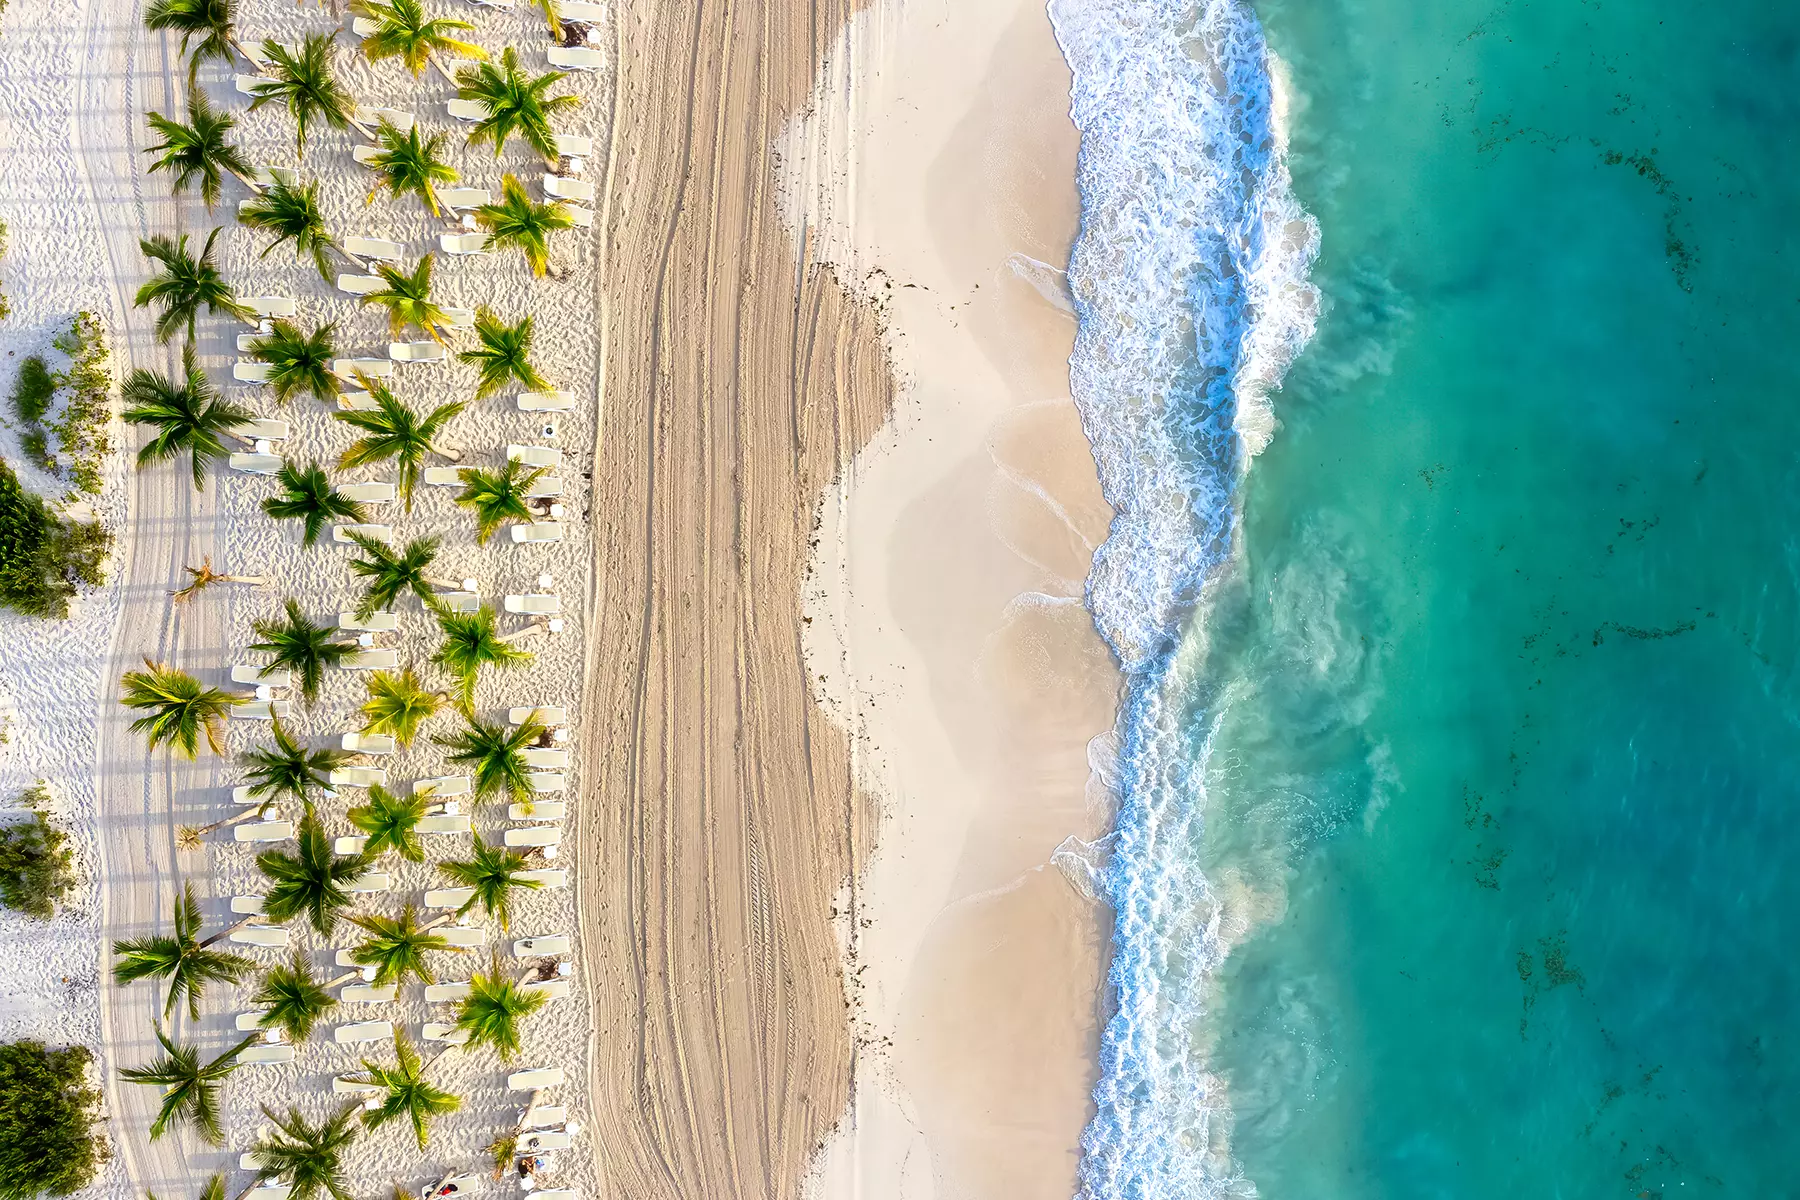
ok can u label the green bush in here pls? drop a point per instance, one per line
(81, 431)
(32, 391)
(43, 558)
(47, 1143)
(34, 443)
(36, 866)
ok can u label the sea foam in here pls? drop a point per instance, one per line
(1189, 280)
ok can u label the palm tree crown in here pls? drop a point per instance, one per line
(501, 357)
(491, 1012)
(298, 362)
(312, 880)
(301, 646)
(407, 299)
(498, 496)
(392, 430)
(190, 1087)
(398, 705)
(469, 644)
(494, 872)
(291, 212)
(396, 947)
(178, 709)
(307, 496)
(213, 22)
(184, 285)
(391, 823)
(187, 962)
(496, 754)
(310, 1158)
(403, 31)
(287, 768)
(305, 81)
(409, 1095)
(411, 164)
(190, 416)
(391, 571)
(516, 103)
(292, 1000)
(519, 221)
(197, 149)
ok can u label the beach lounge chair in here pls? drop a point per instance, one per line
(240, 795)
(375, 114)
(443, 786)
(534, 603)
(545, 487)
(463, 243)
(581, 12)
(272, 1191)
(446, 993)
(358, 777)
(454, 823)
(545, 781)
(262, 710)
(256, 464)
(576, 58)
(460, 602)
(544, 1139)
(442, 476)
(250, 1160)
(550, 715)
(343, 534)
(279, 677)
(417, 352)
(542, 531)
(380, 621)
(579, 217)
(263, 831)
(350, 843)
(536, 810)
(554, 1194)
(361, 285)
(457, 199)
(546, 877)
(546, 1116)
(247, 906)
(459, 318)
(561, 187)
(269, 1056)
(246, 342)
(270, 176)
(467, 110)
(448, 897)
(344, 1086)
(573, 145)
(546, 401)
(272, 306)
(367, 743)
(266, 428)
(469, 937)
(363, 1031)
(246, 84)
(347, 958)
(366, 155)
(377, 248)
(369, 493)
(373, 368)
(534, 456)
(381, 658)
(369, 993)
(357, 401)
(251, 372)
(549, 759)
(271, 937)
(440, 1031)
(502, 5)
(369, 882)
(534, 947)
(362, 27)
(533, 835)
(535, 1080)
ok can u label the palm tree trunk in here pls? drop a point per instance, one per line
(436, 921)
(345, 978)
(446, 455)
(445, 585)
(521, 634)
(432, 58)
(228, 930)
(248, 182)
(349, 257)
(255, 810)
(243, 53)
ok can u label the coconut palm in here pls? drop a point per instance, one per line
(298, 362)
(494, 873)
(410, 164)
(301, 646)
(407, 299)
(496, 756)
(391, 572)
(190, 1087)
(470, 644)
(193, 837)
(491, 1012)
(501, 357)
(516, 103)
(519, 221)
(308, 1158)
(498, 496)
(398, 705)
(213, 22)
(307, 496)
(292, 1000)
(393, 431)
(190, 417)
(391, 823)
(291, 212)
(552, 17)
(403, 31)
(203, 577)
(409, 1095)
(305, 82)
(311, 880)
(187, 962)
(396, 947)
(198, 150)
(185, 284)
(286, 768)
(178, 709)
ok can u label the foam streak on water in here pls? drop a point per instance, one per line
(1189, 280)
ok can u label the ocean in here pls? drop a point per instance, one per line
(1435, 358)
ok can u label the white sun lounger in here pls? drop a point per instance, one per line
(454, 823)
(241, 795)
(542, 531)
(440, 1031)
(446, 993)
(503, 5)
(374, 114)
(369, 493)
(379, 659)
(576, 58)
(247, 906)
(358, 777)
(350, 843)
(534, 456)
(537, 810)
(531, 947)
(256, 464)
(251, 372)
(548, 715)
(459, 318)
(417, 352)
(373, 368)
(344, 1086)
(579, 217)
(246, 84)
(366, 155)
(531, 1081)
(469, 937)
(342, 534)
(246, 342)
(273, 1191)
(561, 187)
(555, 1194)
(573, 145)
(347, 958)
(368, 743)
(264, 677)
(465, 197)
(370, 882)
(263, 831)
(378, 248)
(362, 27)
(272, 937)
(380, 621)
(363, 1031)
(442, 476)
(262, 710)
(268, 1056)
(272, 306)
(467, 110)
(532, 1143)
(533, 835)
(368, 993)
(581, 12)
(463, 243)
(361, 285)
(250, 1160)
(444, 785)
(545, 487)
(545, 781)
(550, 878)
(270, 176)
(357, 401)
(545, 1116)
(549, 759)
(448, 897)
(536, 603)
(263, 427)
(546, 401)
(460, 602)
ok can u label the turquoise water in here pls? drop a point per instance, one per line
(1501, 678)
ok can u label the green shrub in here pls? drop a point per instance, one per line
(33, 390)
(36, 867)
(43, 558)
(34, 443)
(47, 1142)
(81, 431)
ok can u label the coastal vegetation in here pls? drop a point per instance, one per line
(45, 558)
(37, 868)
(48, 1142)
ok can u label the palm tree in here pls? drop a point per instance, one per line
(491, 1012)
(392, 430)
(519, 221)
(190, 416)
(309, 497)
(292, 1000)
(409, 1095)
(289, 769)
(397, 705)
(213, 1190)
(391, 823)
(188, 963)
(310, 1158)
(501, 357)
(410, 163)
(212, 21)
(403, 31)
(199, 149)
(396, 947)
(311, 880)
(516, 103)
(470, 644)
(498, 496)
(305, 82)
(303, 647)
(494, 872)
(193, 837)
(391, 572)
(299, 362)
(184, 284)
(178, 708)
(552, 18)
(407, 299)
(496, 754)
(291, 212)
(203, 577)
(190, 1087)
